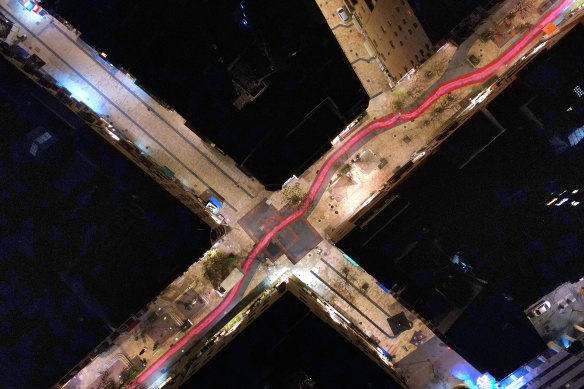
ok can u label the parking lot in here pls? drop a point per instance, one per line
(557, 316)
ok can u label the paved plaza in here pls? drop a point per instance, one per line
(295, 241)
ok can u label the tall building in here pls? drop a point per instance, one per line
(395, 32)
(554, 368)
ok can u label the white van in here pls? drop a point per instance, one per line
(228, 283)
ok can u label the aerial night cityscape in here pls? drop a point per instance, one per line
(292, 194)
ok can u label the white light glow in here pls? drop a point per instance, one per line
(539, 47)
(113, 135)
(552, 201)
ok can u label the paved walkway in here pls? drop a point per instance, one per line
(389, 121)
(159, 132)
(459, 64)
(162, 134)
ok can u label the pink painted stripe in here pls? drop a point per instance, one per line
(400, 116)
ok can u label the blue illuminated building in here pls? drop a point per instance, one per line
(554, 368)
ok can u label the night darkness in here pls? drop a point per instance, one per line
(493, 213)
(87, 238)
(288, 45)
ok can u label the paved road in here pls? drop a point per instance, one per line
(162, 134)
(387, 122)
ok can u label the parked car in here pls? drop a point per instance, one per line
(343, 14)
(565, 302)
(232, 279)
(30, 5)
(539, 309)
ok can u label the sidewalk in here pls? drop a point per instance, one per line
(459, 64)
(157, 131)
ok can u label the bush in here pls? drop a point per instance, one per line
(346, 168)
(218, 265)
(397, 104)
(293, 194)
(474, 60)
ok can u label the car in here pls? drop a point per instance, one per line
(565, 302)
(31, 5)
(343, 14)
(232, 279)
(539, 309)
(212, 207)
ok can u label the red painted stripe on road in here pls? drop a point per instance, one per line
(474, 77)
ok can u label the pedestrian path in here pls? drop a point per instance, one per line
(158, 131)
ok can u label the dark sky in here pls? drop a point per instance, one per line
(439, 17)
(86, 238)
(493, 213)
(284, 341)
(182, 54)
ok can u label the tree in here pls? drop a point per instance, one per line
(346, 168)
(365, 287)
(485, 36)
(397, 103)
(415, 90)
(293, 194)
(105, 381)
(474, 59)
(129, 374)
(434, 67)
(346, 282)
(218, 265)
(523, 8)
(444, 104)
(523, 27)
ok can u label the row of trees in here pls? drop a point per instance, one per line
(348, 282)
(127, 376)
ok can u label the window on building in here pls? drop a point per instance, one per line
(399, 27)
(389, 23)
(422, 52)
(382, 56)
(415, 25)
(388, 54)
(397, 9)
(427, 46)
(400, 75)
(417, 58)
(392, 45)
(383, 29)
(404, 21)
(374, 43)
(354, 2)
(401, 43)
(412, 62)
(395, 33)
(410, 31)
(405, 68)
(370, 4)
